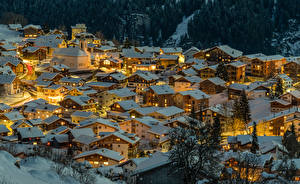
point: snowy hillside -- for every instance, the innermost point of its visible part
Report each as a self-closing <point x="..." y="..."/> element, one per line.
<point x="35" y="170"/>
<point x="181" y="30"/>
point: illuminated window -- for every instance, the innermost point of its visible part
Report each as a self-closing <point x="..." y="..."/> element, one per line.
<point x="105" y="163"/>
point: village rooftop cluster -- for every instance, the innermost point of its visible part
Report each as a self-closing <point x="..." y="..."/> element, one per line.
<point x="114" y="104"/>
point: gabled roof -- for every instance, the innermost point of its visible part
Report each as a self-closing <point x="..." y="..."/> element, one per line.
<point x="102" y="121"/>
<point x="148" y="76"/>
<point x="230" y="51"/>
<point x="85" y="114"/>
<point x="169" y="57"/>
<point x="32" y="26"/>
<point x="159" y="129"/>
<point x="3" y="129"/>
<point x="170" y="111"/>
<point x="80" y="100"/>
<point x="295" y="93"/>
<point x="71" y="79"/>
<point x="162" y="89"/>
<point x="217" y="81"/>
<point x="196" y="94"/>
<point x="148" y="49"/>
<point x="102" y="152"/>
<point x="189" y="71"/>
<point x="47" y="76"/>
<point x="146" y="110"/>
<point x="118" y="76"/>
<point x="30" y="132"/>
<point x="169" y="50"/>
<point x="237" y="64"/>
<point x="100" y="84"/>
<point x="191" y="79"/>
<point x="123" y="92"/>
<point x="132" y="139"/>
<point x="128" y="104"/>
<point x="191" y="49"/>
<point x="82" y="131"/>
<point x="4" y="107"/>
<point x="14" y="116"/>
<point x="149" y="121"/>
<point x="270" y="58"/>
<point x="59" y="130"/>
<point x="30" y="49"/>
<point x="85" y="139"/>
<point x="51" y="119"/>
<point x="10" y="59"/>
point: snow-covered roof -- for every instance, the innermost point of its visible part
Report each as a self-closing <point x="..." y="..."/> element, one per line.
<point x="283" y="102"/>
<point x="30" y="132"/>
<point x="51" y="119"/>
<point x="85" y="139"/>
<point x="217" y="81"/>
<point x="102" y="121"/>
<point x="62" y="138"/>
<point x="85" y="114"/>
<point x="82" y="131"/>
<point x="118" y="76"/>
<point x="230" y="51"/>
<point x="189" y="71"/>
<point x="285" y="77"/>
<point x="70" y="51"/>
<point x="237" y="64"/>
<point x="170" y="50"/>
<point x="159" y="129"/>
<point x="32" y="26"/>
<point x="80" y="100"/>
<point x="252" y="56"/>
<point x="148" y="49"/>
<point x="14" y="116"/>
<point x="4" y="107"/>
<point x="9" y="59"/>
<point x="295" y="93"/>
<point x="167" y="57"/>
<point x="191" y="49"/>
<point x="132" y="139"/>
<point x="3" y="129"/>
<point x="128" y="104"/>
<point x="71" y="79"/>
<point x="146" y="110"/>
<point x="30" y="49"/>
<point x="196" y="94"/>
<point x="149" y="121"/>
<point x="102" y="152"/>
<point x="162" y="89"/>
<point x="156" y="160"/>
<point x="192" y="79"/>
<point x="59" y="130"/>
<point x="47" y="76"/>
<point x="276" y="163"/>
<point x="170" y="111"/>
<point x="123" y="92"/>
<point x="148" y="76"/>
<point x="199" y="66"/>
<point x="270" y="58"/>
<point x="100" y="84"/>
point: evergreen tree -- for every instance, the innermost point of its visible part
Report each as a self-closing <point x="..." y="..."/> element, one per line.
<point x="127" y="43"/>
<point x="236" y="110"/>
<point x="290" y="142"/>
<point x="216" y="132"/>
<point x="221" y="72"/>
<point x="245" y="109"/>
<point x="254" y="145"/>
<point x="279" y="88"/>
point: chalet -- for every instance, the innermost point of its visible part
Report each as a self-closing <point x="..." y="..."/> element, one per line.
<point x="139" y="126"/>
<point x="124" y="143"/>
<point x="236" y="71"/>
<point x="35" y="110"/>
<point x="100" y="157"/>
<point x="186" y="83"/>
<point x="247" y="59"/>
<point x="9" y="83"/>
<point x="60" y="68"/>
<point x="77" y="132"/>
<point x="124" y="106"/>
<point x="143" y="111"/>
<point x="53" y="93"/>
<point x="189" y="54"/>
<point x="107" y="98"/>
<point x="4" y="108"/>
<point x="175" y="51"/>
<point x="129" y="166"/>
<point x="212" y="85"/>
<point x="253" y="90"/>
<point x="280" y="105"/>
<point x="167" y="113"/>
<point x="71" y="81"/>
<point x="15" y="27"/>
<point x="111" y="63"/>
<point x="47" y="76"/>
<point x="60" y="141"/>
<point x="222" y="53"/>
<point x="115" y="77"/>
<point x="147" y="49"/>
<point x="83" y="103"/>
<point x="20" y="124"/>
<point x="78" y="28"/>
<point x="292" y="68"/>
<point x="10" y="117"/>
<point x="187" y="72"/>
<point x="99" y="125"/>
<point x="54" y="122"/>
<point x="33" y="53"/>
<point x="83" y="91"/>
<point x="50" y="43"/>
<point x="206" y="71"/>
<point x="85" y="143"/>
<point x="287" y="82"/>
<point x="191" y="99"/>
<point x="60" y="130"/>
<point x="4" y="131"/>
<point x="79" y="116"/>
<point x="165" y="61"/>
<point x="141" y="80"/>
<point x="102" y="86"/>
<point x="32" y="31"/>
<point x="132" y="58"/>
<point x="159" y="95"/>
<point x="182" y="121"/>
<point x="16" y="64"/>
<point x="266" y="66"/>
<point x="31" y="135"/>
<point x="292" y="97"/>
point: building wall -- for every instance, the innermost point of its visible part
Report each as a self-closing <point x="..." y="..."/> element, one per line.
<point x="75" y="62"/>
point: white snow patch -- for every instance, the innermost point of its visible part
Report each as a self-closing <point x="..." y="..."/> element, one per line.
<point x="181" y="30"/>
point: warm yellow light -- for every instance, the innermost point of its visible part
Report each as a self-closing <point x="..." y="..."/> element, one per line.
<point x="105" y="163"/>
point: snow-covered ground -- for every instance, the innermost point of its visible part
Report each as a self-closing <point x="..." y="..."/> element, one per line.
<point x="9" y="35"/>
<point x="35" y="170"/>
<point x="181" y="30"/>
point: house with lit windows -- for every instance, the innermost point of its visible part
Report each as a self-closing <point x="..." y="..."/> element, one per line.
<point x="159" y="95"/>
<point x="141" y="80"/>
